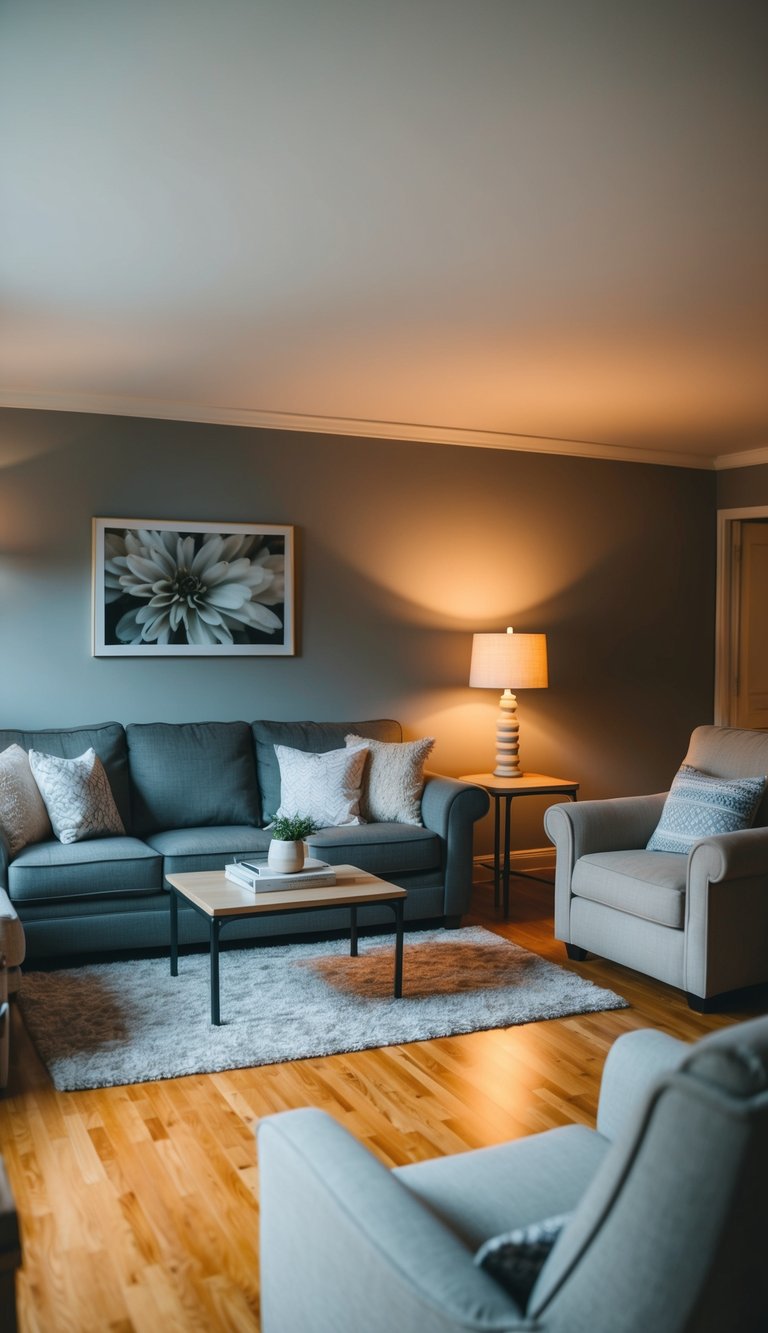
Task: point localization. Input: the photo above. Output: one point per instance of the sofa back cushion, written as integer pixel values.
(106, 738)
(313, 737)
(192, 775)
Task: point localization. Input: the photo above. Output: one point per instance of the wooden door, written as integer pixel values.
(749, 683)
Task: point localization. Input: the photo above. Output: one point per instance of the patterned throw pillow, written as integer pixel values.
(23, 816)
(393, 779)
(516, 1258)
(77, 795)
(326, 787)
(701, 806)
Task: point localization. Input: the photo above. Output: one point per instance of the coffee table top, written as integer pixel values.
(214, 894)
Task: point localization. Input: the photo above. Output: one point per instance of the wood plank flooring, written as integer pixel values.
(139, 1205)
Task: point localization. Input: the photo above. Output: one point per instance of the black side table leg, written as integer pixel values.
(353, 932)
(507, 824)
(174, 905)
(215, 1010)
(496, 858)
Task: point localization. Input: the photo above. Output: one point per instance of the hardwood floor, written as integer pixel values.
(139, 1205)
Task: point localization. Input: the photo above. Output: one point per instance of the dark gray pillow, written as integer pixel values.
(516, 1258)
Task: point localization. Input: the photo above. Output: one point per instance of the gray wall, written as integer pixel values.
(404, 549)
(740, 487)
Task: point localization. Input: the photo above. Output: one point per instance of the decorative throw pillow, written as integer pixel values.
(77, 795)
(701, 806)
(326, 787)
(393, 779)
(23, 816)
(516, 1258)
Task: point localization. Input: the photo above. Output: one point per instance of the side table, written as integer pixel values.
(506, 789)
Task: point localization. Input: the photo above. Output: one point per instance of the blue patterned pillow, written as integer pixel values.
(700, 806)
(516, 1258)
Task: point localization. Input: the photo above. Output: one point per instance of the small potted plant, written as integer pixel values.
(286, 850)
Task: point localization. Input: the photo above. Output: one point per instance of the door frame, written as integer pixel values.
(725, 625)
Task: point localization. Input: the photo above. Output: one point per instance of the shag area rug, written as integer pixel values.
(130, 1022)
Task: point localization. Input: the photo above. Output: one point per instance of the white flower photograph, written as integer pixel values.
(191, 589)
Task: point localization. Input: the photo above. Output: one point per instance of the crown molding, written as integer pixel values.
(162, 410)
(749, 458)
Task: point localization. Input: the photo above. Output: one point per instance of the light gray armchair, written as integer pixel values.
(12, 947)
(697, 921)
(666, 1200)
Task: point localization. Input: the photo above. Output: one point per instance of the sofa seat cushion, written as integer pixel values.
(192, 775)
(381, 849)
(482, 1193)
(207, 848)
(313, 737)
(645, 884)
(102, 868)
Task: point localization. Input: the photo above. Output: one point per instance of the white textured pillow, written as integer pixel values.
(393, 779)
(77, 795)
(23, 816)
(326, 787)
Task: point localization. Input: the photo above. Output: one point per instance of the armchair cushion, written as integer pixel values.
(645, 884)
(702, 806)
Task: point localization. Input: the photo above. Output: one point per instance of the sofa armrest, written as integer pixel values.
(450, 809)
(634, 1062)
(345, 1246)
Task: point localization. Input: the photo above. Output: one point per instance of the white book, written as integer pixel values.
(258, 879)
(312, 866)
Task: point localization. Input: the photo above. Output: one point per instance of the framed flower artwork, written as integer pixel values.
(165, 588)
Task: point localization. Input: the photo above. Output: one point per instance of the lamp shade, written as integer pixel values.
(509, 661)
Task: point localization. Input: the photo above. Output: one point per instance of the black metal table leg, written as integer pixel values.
(353, 932)
(399, 912)
(215, 1011)
(496, 858)
(507, 824)
(174, 933)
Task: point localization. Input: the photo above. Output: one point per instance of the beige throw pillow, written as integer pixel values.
(23, 816)
(393, 779)
(77, 795)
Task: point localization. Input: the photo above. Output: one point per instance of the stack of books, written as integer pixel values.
(259, 877)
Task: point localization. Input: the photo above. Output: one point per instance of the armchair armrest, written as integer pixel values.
(613, 825)
(726, 913)
(451, 808)
(634, 1062)
(345, 1246)
(730, 856)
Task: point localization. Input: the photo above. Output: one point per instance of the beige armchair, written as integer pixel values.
(697, 921)
(12, 948)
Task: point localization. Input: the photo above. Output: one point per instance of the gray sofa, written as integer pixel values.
(664, 1208)
(194, 795)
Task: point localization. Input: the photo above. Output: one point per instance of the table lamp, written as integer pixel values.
(508, 662)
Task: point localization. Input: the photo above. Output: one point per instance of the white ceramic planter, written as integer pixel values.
(285, 857)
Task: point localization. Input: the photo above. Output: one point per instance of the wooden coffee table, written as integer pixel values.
(220, 900)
